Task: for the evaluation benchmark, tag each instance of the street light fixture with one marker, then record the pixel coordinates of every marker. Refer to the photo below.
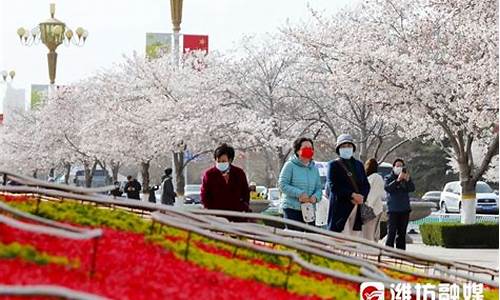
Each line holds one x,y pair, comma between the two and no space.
6,75
176,13
52,33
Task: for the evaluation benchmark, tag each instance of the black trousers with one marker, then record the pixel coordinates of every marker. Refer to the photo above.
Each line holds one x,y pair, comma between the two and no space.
397,225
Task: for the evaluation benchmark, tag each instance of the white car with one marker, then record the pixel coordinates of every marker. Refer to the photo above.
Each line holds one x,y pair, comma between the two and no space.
192,193
451,200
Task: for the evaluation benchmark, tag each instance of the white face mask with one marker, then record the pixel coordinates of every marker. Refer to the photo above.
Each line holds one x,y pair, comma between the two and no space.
346,153
397,170
222,166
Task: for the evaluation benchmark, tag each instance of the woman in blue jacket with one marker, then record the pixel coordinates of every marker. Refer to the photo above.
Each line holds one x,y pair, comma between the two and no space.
344,216
299,180
398,186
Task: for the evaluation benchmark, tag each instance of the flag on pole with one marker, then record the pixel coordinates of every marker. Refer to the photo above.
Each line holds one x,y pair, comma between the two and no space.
193,42
38,93
158,44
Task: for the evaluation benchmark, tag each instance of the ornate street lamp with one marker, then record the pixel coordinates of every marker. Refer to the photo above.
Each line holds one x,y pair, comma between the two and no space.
6,75
176,12
52,33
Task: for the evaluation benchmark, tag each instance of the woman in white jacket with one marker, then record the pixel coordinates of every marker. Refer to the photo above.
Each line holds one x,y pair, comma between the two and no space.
374,200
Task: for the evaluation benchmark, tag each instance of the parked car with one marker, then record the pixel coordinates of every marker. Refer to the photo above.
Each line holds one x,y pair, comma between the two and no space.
192,193
432,196
451,200
99,179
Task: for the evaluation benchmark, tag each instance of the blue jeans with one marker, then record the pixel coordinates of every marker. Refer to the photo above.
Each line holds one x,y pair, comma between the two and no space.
295,215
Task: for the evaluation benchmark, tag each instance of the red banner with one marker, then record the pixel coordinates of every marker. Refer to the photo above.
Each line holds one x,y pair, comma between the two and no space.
195,42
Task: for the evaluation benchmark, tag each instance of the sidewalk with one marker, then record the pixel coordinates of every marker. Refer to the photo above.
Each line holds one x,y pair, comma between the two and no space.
481,257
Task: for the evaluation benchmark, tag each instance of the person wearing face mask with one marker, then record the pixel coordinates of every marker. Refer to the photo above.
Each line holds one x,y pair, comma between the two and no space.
398,185
349,188
225,186
299,182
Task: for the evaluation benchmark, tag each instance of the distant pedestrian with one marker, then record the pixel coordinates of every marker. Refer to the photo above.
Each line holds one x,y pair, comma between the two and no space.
133,188
371,229
167,188
349,188
254,195
152,196
224,186
398,185
300,183
117,192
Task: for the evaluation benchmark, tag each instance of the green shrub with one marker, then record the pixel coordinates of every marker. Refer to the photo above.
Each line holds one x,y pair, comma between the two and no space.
456,235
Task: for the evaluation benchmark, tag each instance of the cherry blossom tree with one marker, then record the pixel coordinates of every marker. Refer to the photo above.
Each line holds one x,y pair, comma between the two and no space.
438,61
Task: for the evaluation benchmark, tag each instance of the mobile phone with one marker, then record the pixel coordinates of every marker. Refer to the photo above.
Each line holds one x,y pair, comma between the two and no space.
404,170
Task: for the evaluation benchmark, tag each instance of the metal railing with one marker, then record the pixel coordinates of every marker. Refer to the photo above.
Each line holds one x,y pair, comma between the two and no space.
52,228
318,239
47,290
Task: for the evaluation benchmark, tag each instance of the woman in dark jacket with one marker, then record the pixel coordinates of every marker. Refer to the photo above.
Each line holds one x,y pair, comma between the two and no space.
398,185
344,215
225,186
167,188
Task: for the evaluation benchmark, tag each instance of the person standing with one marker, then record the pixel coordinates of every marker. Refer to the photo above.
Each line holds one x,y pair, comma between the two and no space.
116,192
167,188
254,195
133,188
371,229
349,188
299,181
152,195
225,186
398,185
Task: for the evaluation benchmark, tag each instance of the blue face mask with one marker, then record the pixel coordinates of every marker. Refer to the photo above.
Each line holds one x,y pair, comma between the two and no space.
345,153
222,166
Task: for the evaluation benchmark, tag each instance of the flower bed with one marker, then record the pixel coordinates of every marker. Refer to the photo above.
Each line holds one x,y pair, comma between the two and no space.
246,266
208,255
130,268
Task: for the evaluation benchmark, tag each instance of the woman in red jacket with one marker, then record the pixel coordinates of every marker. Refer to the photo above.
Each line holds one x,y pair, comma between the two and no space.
225,186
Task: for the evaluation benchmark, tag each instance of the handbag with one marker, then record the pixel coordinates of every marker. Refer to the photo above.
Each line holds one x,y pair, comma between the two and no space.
367,213
307,212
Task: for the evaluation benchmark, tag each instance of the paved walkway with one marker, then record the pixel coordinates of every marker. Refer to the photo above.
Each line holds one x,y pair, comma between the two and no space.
481,257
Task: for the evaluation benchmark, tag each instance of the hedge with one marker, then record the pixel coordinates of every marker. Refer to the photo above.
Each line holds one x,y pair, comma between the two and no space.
457,235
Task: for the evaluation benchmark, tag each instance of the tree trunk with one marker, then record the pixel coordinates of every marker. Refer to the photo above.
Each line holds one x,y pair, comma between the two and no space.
115,167
282,157
179,172
35,173
87,174
145,177
468,195
363,148
269,168
67,173
51,172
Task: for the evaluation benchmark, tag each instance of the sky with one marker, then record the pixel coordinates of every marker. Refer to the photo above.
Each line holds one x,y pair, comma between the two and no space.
118,27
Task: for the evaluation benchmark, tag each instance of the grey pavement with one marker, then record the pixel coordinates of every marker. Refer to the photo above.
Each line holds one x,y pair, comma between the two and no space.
481,257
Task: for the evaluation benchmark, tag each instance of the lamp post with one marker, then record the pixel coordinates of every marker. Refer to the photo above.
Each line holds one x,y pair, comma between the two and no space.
176,12
52,33
6,75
